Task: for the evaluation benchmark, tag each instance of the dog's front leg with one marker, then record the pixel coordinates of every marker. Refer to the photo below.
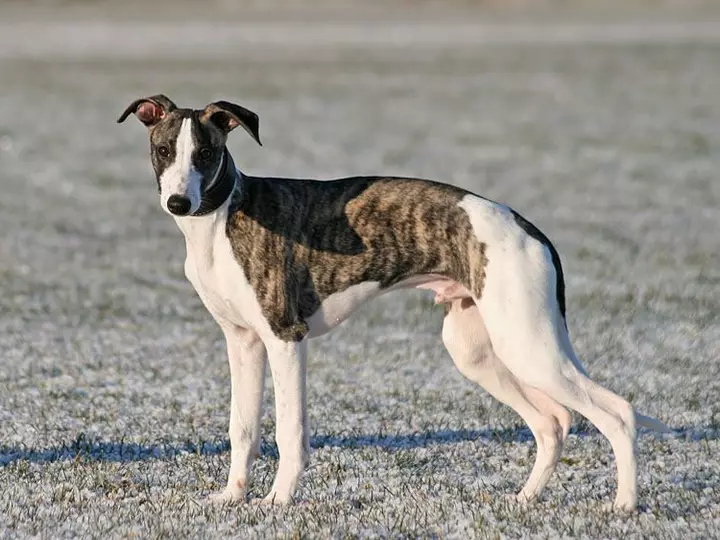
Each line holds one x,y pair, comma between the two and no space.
288,362
246,353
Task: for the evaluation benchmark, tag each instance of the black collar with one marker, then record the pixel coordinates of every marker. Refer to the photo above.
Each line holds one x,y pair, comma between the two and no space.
220,190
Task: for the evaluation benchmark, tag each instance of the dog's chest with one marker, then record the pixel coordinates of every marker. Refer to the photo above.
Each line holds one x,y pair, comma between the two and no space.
218,279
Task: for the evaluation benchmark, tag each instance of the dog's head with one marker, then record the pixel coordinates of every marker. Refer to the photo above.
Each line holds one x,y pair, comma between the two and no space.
187,146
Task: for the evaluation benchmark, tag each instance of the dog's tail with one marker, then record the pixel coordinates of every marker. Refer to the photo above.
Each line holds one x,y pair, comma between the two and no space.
651,423
641,420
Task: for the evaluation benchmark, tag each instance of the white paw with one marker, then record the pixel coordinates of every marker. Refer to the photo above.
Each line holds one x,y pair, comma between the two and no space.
620,507
272,499
521,498
227,496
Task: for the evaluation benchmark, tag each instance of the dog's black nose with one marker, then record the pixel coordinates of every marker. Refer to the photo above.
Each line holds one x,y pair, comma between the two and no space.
178,205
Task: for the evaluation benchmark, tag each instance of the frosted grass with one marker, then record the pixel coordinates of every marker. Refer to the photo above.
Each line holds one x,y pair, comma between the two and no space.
114,389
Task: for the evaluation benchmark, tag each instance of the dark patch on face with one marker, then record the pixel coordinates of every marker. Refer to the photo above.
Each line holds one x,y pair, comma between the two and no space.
163,142
299,241
206,138
209,142
537,234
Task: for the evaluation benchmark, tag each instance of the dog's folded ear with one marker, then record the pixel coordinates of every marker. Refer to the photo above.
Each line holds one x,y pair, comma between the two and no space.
149,110
227,116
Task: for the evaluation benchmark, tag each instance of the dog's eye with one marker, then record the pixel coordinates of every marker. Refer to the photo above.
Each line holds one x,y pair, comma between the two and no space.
163,151
206,153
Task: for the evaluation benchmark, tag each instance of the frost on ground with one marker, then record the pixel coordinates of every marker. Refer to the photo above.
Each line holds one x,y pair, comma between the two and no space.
114,389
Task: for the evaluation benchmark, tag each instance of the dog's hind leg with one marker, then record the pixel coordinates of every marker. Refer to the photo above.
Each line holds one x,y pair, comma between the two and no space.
542,470
528,334
520,296
467,341
612,415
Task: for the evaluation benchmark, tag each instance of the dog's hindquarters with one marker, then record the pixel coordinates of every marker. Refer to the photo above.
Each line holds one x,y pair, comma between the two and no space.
468,344
520,309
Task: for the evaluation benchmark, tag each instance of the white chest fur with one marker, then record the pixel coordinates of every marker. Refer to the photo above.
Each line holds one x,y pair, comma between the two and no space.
217,277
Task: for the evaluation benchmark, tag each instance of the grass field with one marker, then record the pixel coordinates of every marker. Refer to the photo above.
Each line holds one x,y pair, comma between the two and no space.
114,385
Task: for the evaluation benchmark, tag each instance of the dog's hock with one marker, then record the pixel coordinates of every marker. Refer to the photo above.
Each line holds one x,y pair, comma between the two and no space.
227,116
149,110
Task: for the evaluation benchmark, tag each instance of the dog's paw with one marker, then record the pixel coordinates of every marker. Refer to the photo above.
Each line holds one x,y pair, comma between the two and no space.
227,496
619,507
520,499
271,499
523,498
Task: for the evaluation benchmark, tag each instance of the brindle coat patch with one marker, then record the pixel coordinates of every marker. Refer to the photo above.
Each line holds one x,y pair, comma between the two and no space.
299,241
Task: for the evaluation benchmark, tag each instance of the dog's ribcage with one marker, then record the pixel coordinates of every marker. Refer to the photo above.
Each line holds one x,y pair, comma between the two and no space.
299,242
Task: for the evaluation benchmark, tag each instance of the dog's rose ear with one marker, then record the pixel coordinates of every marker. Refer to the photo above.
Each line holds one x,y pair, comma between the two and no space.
227,116
149,110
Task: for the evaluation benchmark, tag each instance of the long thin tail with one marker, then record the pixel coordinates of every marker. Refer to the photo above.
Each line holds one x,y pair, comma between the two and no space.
641,420
651,423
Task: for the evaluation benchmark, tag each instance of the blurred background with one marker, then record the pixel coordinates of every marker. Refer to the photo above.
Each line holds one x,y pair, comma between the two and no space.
598,121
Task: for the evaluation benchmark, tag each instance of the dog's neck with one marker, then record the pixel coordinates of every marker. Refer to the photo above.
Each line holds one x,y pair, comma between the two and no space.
221,187
211,216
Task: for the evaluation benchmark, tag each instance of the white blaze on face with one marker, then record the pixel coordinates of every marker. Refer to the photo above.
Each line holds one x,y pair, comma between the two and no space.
181,178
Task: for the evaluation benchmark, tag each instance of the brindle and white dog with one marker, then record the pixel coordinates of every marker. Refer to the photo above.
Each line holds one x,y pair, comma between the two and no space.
277,261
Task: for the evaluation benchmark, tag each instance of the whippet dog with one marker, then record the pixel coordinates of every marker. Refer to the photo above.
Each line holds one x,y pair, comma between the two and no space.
279,261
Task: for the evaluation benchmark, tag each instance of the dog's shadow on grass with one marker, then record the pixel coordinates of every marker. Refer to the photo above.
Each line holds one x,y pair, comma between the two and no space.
89,450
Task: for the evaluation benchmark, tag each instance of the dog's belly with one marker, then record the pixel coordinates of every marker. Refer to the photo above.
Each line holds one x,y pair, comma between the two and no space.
339,306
